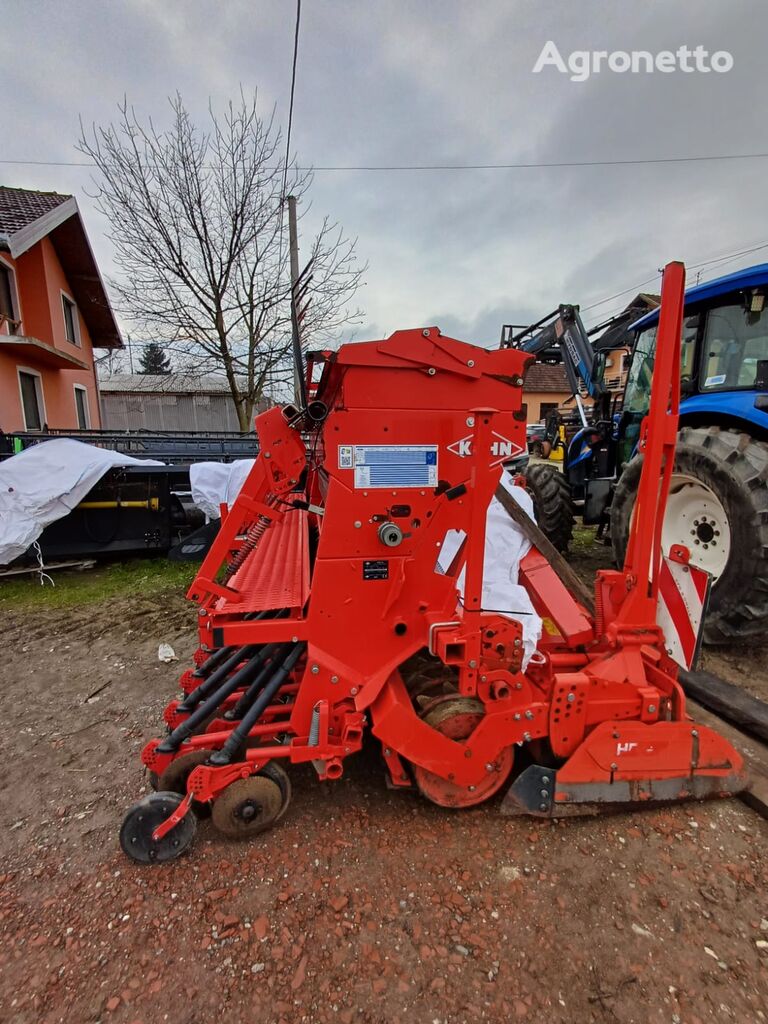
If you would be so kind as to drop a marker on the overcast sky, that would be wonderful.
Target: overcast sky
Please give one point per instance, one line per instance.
(423, 82)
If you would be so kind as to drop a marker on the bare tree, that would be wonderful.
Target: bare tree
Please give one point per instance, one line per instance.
(197, 224)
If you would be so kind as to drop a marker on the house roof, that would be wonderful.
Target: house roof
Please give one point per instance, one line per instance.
(546, 377)
(165, 384)
(26, 217)
(618, 335)
(20, 207)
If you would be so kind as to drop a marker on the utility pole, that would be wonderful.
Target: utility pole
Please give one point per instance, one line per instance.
(298, 358)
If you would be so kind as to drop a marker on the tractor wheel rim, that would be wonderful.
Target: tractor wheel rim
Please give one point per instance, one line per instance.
(696, 517)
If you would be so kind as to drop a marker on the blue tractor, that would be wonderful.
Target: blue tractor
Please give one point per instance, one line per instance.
(718, 502)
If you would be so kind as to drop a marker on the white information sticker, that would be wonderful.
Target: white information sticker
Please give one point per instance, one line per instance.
(391, 465)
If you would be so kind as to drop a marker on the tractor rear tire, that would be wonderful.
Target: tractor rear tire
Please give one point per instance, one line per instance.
(537, 450)
(552, 504)
(726, 476)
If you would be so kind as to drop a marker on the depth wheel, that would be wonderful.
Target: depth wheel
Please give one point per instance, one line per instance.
(141, 821)
(247, 807)
(274, 770)
(457, 719)
(174, 778)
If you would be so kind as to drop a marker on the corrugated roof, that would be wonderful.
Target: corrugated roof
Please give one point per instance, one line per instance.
(165, 384)
(546, 377)
(20, 207)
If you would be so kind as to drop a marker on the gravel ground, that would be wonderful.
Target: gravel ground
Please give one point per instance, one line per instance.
(363, 905)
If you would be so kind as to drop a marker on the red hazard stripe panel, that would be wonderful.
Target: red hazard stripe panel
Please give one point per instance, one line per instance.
(678, 612)
(701, 582)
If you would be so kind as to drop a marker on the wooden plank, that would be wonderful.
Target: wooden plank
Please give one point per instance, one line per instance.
(754, 752)
(530, 530)
(79, 564)
(728, 701)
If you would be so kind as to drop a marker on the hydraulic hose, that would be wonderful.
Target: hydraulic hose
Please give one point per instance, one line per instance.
(253, 690)
(243, 677)
(207, 687)
(237, 738)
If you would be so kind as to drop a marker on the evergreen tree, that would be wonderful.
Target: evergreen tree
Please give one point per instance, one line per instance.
(154, 360)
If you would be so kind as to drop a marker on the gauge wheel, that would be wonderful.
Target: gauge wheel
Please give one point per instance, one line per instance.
(143, 818)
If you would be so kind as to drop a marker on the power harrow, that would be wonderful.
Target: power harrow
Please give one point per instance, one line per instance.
(326, 610)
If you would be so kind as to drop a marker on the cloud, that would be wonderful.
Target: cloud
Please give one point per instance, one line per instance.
(435, 82)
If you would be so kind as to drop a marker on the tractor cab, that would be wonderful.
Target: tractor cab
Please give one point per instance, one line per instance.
(724, 362)
(718, 499)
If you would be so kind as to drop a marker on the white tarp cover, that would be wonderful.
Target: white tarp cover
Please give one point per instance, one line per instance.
(44, 483)
(217, 483)
(505, 547)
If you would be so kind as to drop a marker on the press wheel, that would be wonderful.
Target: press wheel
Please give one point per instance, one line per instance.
(275, 771)
(247, 807)
(457, 719)
(174, 778)
(141, 821)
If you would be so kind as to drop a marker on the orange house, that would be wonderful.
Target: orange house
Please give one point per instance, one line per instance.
(54, 311)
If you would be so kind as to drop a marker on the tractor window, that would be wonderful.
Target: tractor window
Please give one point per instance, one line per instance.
(638, 388)
(735, 342)
(688, 348)
(637, 394)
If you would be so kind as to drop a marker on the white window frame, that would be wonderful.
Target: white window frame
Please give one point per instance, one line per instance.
(75, 319)
(40, 396)
(75, 389)
(5, 327)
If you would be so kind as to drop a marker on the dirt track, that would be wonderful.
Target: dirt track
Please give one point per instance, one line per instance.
(363, 905)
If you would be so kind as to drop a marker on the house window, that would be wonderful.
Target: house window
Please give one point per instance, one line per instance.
(9, 319)
(545, 409)
(71, 325)
(31, 388)
(81, 408)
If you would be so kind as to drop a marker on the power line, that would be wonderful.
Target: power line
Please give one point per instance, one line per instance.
(293, 90)
(723, 258)
(730, 256)
(532, 165)
(616, 295)
(288, 137)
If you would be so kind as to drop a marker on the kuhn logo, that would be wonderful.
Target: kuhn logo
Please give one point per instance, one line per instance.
(501, 448)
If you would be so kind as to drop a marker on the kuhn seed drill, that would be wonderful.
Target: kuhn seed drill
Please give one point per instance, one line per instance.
(326, 610)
